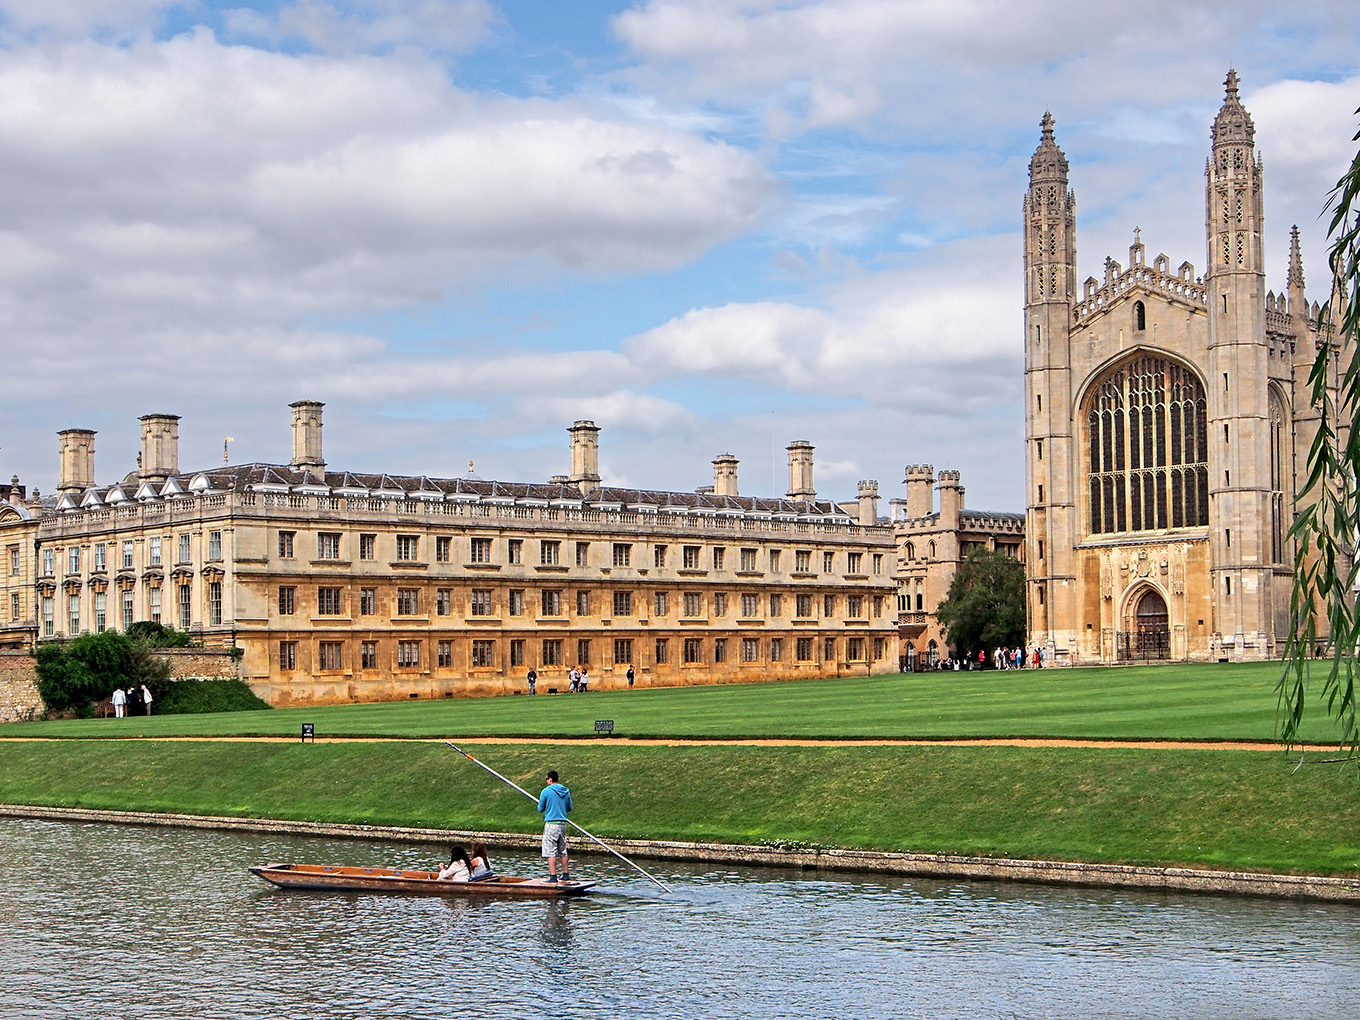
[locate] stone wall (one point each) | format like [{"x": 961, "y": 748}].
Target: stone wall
[
  {"x": 19, "y": 697},
  {"x": 201, "y": 664}
]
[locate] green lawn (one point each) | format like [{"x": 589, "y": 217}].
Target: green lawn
[
  {"x": 1243, "y": 810},
  {"x": 1175, "y": 702}
]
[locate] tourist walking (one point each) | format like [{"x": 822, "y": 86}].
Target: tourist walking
[
  {"x": 119, "y": 702},
  {"x": 553, "y": 804},
  {"x": 533, "y": 680}
]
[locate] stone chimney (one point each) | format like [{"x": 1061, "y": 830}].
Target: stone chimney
[
  {"x": 868, "y": 503},
  {"x": 160, "y": 447},
  {"x": 725, "y": 475},
  {"x": 951, "y": 499},
  {"x": 920, "y": 483},
  {"x": 77, "y": 460},
  {"x": 585, "y": 456},
  {"x": 800, "y": 470},
  {"x": 307, "y": 436}
]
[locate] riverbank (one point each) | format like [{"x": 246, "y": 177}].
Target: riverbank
[{"x": 1216, "y": 810}]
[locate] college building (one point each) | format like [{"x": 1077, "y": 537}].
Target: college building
[
  {"x": 341, "y": 586},
  {"x": 1168, "y": 424}
]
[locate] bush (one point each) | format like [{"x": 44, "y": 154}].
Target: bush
[
  {"x": 74, "y": 674},
  {"x": 182, "y": 697},
  {"x": 63, "y": 681},
  {"x": 157, "y": 636}
]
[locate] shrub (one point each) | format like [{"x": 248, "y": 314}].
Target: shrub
[
  {"x": 188, "y": 696},
  {"x": 158, "y": 636},
  {"x": 63, "y": 681}
]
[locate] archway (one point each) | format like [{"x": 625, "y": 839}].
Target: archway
[{"x": 1152, "y": 630}]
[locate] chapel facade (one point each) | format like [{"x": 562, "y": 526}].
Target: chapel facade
[{"x": 1168, "y": 424}]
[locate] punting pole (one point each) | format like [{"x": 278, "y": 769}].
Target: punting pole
[{"x": 578, "y": 828}]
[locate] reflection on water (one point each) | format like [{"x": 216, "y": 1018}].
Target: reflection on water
[{"x": 100, "y": 920}]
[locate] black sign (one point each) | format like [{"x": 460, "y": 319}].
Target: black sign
[
  {"x": 308, "y": 730},
  {"x": 604, "y": 726}
]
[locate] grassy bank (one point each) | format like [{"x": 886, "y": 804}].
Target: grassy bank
[
  {"x": 1239, "y": 810},
  {"x": 1175, "y": 702}
]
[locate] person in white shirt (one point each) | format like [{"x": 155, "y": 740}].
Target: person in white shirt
[{"x": 119, "y": 702}]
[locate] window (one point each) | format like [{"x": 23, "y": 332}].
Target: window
[
  {"x": 185, "y": 606},
  {"x": 829, "y": 650},
  {"x": 691, "y": 557},
  {"x": 802, "y": 561},
  {"x": 287, "y": 601},
  {"x": 127, "y": 555},
  {"x": 285, "y": 548},
  {"x": 443, "y": 602},
  {"x": 443, "y": 549},
  {"x": 552, "y": 653},
  {"x": 623, "y": 651},
  {"x": 720, "y": 649},
  {"x": 720, "y": 604},
  {"x": 368, "y": 548},
  {"x": 444, "y": 653},
  {"x": 750, "y": 606},
  {"x": 408, "y": 654},
  {"x": 328, "y": 602},
  {"x": 514, "y": 550},
  {"x": 853, "y": 562},
  {"x": 659, "y": 606},
  {"x": 854, "y": 607},
  {"x": 287, "y": 655},
  {"x": 483, "y": 654},
  {"x": 803, "y": 649},
  {"x": 481, "y": 602},
  {"x": 750, "y": 649},
  {"x": 154, "y": 605},
  {"x": 662, "y": 651},
  {"x": 776, "y": 606},
  {"x": 408, "y": 548},
  {"x": 99, "y": 563},
  {"x": 1147, "y": 451},
  {"x": 583, "y": 554},
  {"x": 583, "y": 603},
  {"x": 878, "y": 563},
  {"x": 48, "y": 568},
  {"x": 658, "y": 555},
  {"x": 515, "y": 602},
  {"x": 215, "y": 545},
  {"x": 623, "y": 554},
  {"x": 1139, "y": 316},
  {"x": 408, "y": 601},
  {"x": 48, "y": 615},
  {"x": 803, "y": 610},
  {"x": 517, "y": 652},
  {"x": 693, "y": 650},
  {"x": 100, "y": 612},
  {"x": 878, "y": 608},
  {"x": 14, "y": 558},
  {"x": 880, "y": 648},
  {"x": 829, "y": 606},
  {"x": 127, "y": 608},
  {"x": 549, "y": 553},
  {"x": 828, "y": 562},
  {"x": 623, "y": 603},
  {"x": 552, "y": 602},
  {"x": 368, "y": 654},
  {"x": 776, "y": 649},
  {"x": 215, "y": 603},
  {"x": 327, "y": 545},
  {"x": 329, "y": 654},
  {"x": 73, "y": 560},
  {"x": 583, "y": 652},
  {"x": 854, "y": 649},
  {"x": 719, "y": 554},
  {"x": 748, "y": 559},
  {"x": 185, "y": 555},
  {"x": 368, "y": 601}
]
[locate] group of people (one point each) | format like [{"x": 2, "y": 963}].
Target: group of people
[
  {"x": 1015, "y": 658},
  {"x": 462, "y": 868},
  {"x": 578, "y": 678},
  {"x": 133, "y": 701}
]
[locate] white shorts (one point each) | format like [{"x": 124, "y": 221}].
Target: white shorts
[{"x": 555, "y": 839}]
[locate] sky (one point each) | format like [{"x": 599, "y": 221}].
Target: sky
[{"x": 711, "y": 226}]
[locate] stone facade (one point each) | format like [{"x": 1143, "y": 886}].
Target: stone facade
[
  {"x": 1167, "y": 426},
  {"x": 931, "y": 544},
  {"x": 19, "y": 698},
  {"x": 340, "y": 586}
]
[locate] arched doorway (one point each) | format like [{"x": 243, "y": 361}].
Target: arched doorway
[{"x": 1152, "y": 631}]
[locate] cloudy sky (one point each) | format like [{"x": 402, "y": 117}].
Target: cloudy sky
[{"x": 710, "y": 225}]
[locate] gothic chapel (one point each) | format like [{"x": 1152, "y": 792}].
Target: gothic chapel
[{"x": 1167, "y": 427}]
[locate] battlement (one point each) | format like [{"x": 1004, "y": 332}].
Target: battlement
[
  {"x": 1182, "y": 288},
  {"x": 920, "y": 471},
  {"x": 948, "y": 477}
]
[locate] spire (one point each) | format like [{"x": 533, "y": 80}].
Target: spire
[
  {"x": 1295, "y": 261},
  {"x": 1233, "y": 123},
  {"x": 1049, "y": 163}
]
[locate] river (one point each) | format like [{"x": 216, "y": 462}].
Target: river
[{"x": 104, "y": 920}]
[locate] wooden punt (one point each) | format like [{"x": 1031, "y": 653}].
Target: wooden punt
[{"x": 339, "y": 878}]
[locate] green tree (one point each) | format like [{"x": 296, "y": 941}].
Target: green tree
[
  {"x": 985, "y": 607},
  {"x": 73, "y": 674},
  {"x": 1328, "y": 508}
]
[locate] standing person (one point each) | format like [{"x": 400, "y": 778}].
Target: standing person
[
  {"x": 585, "y": 680},
  {"x": 630, "y": 677},
  {"x": 146, "y": 699},
  {"x": 575, "y": 680},
  {"x": 533, "y": 680},
  {"x": 553, "y": 804},
  {"x": 119, "y": 701},
  {"x": 134, "y": 700}
]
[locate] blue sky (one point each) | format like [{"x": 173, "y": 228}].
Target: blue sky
[{"x": 712, "y": 225}]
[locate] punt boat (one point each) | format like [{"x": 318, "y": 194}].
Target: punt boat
[{"x": 339, "y": 878}]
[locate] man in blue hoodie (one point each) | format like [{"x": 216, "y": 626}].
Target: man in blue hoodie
[{"x": 554, "y": 803}]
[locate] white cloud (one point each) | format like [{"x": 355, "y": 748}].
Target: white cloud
[
  {"x": 72, "y": 18},
  {"x": 371, "y": 24}
]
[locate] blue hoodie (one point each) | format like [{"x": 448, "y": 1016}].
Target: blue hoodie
[{"x": 554, "y": 802}]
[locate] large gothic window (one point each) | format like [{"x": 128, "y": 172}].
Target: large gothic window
[
  {"x": 1281, "y": 470},
  {"x": 1147, "y": 436}
]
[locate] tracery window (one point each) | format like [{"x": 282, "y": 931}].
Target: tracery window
[
  {"x": 1146, "y": 432},
  {"x": 1280, "y": 468}
]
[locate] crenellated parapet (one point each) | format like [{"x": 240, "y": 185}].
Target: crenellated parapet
[{"x": 1181, "y": 288}]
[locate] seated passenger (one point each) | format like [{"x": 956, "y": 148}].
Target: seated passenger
[
  {"x": 458, "y": 869},
  {"x": 480, "y": 866}
]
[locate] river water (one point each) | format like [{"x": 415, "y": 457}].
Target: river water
[{"x": 124, "y": 921}]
